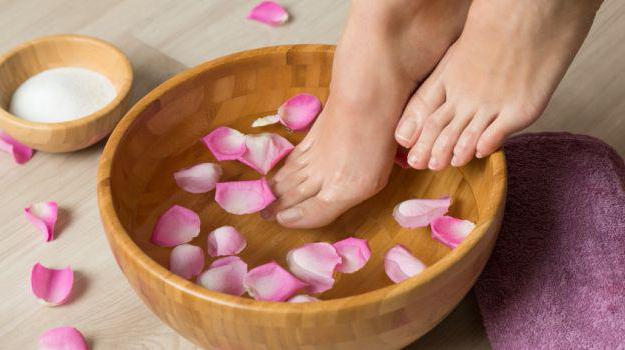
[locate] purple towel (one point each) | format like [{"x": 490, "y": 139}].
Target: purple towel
[{"x": 556, "y": 279}]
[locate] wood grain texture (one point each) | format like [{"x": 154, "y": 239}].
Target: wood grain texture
[
  {"x": 162, "y": 134},
  {"x": 49, "y": 52},
  {"x": 161, "y": 38}
]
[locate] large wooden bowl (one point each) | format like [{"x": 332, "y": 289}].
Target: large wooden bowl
[
  {"x": 161, "y": 134},
  {"x": 55, "y": 51}
]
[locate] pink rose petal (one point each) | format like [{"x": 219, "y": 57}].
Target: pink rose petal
[
  {"x": 354, "y": 253},
  {"x": 401, "y": 157},
  {"x": 186, "y": 261},
  {"x": 244, "y": 197},
  {"x": 451, "y": 231},
  {"x": 52, "y": 287},
  {"x": 264, "y": 121},
  {"x": 420, "y": 212},
  {"x": 314, "y": 263},
  {"x": 264, "y": 151},
  {"x": 400, "y": 265},
  {"x": 303, "y": 298},
  {"x": 225, "y": 143},
  {"x": 298, "y": 112},
  {"x": 21, "y": 153},
  {"x": 176, "y": 226},
  {"x": 225, "y": 275},
  {"x": 269, "y": 12},
  {"x": 271, "y": 282},
  {"x": 199, "y": 178},
  {"x": 225, "y": 240},
  {"x": 43, "y": 215},
  {"x": 62, "y": 338}
]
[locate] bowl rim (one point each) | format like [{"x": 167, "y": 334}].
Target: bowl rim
[
  {"x": 122, "y": 92},
  {"x": 116, "y": 232}
]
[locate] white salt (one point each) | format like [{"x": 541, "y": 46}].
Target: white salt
[{"x": 61, "y": 94}]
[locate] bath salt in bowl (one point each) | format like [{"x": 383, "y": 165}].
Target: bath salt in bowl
[
  {"x": 362, "y": 310},
  {"x": 63, "y": 93}
]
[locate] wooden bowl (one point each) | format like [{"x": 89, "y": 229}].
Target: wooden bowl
[
  {"x": 161, "y": 134},
  {"x": 56, "y": 51}
]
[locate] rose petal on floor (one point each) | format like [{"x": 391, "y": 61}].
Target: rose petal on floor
[
  {"x": 298, "y": 112},
  {"x": 43, "y": 215},
  {"x": 51, "y": 286},
  {"x": 225, "y": 275},
  {"x": 176, "y": 226},
  {"x": 420, "y": 212},
  {"x": 264, "y": 151},
  {"x": 303, "y": 298},
  {"x": 400, "y": 264},
  {"x": 271, "y": 282},
  {"x": 225, "y": 240},
  {"x": 244, "y": 197},
  {"x": 199, "y": 178},
  {"x": 315, "y": 264},
  {"x": 269, "y": 12},
  {"x": 264, "y": 121},
  {"x": 401, "y": 157},
  {"x": 451, "y": 231},
  {"x": 186, "y": 261},
  {"x": 62, "y": 338},
  {"x": 354, "y": 253},
  {"x": 225, "y": 143},
  {"x": 20, "y": 152}
]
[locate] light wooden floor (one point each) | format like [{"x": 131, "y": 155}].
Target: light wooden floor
[{"x": 162, "y": 38}]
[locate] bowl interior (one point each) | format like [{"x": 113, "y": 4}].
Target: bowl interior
[
  {"x": 61, "y": 51},
  {"x": 165, "y": 137}
]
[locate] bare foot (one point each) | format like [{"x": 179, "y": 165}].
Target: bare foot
[
  {"x": 386, "y": 49},
  {"x": 495, "y": 80}
]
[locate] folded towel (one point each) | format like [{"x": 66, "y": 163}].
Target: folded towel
[{"x": 556, "y": 279}]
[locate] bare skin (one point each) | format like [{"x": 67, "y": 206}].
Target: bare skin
[
  {"x": 495, "y": 80},
  {"x": 387, "y": 48}
]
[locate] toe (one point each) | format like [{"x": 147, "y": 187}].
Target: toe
[
  {"x": 444, "y": 144},
  {"x": 496, "y": 133},
  {"x": 422, "y": 104},
  {"x": 419, "y": 155},
  {"x": 465, "y": 147},
  {"x": 292, "y": 197},
  {"x": 294, "y": 163},
  {"x": 311, "y": 213},
  {"x": 280, "y": 188}
]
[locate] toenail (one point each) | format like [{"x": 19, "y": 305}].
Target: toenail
[
  {"x": 290, "y": 215},
  {"x": 406, "y": 130},
  {"x": 412, "y": 160},
  {"x": 479, "y": 155},
  {"x": 455, "y": 161},
  {"x": 433, "y": 164}
]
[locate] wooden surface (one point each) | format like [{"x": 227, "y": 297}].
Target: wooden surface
[
  {"x": 164, "y": 37},
  {"x": 365, "y": 310},
  {"x": 36, "y": 56}
]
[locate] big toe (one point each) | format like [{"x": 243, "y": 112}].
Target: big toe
[{"x": 313, "y": 212}]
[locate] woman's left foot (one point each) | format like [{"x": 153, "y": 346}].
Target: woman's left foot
[{"x": 495, "y": 80}]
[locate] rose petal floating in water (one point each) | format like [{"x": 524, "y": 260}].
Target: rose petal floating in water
[
  {"x": 354, "y": 253},
  {"x": 271, "y": 282},
  {"x": 244, "y": 197},
  {"x": 225, "y": 275},
  {"x": 451, "y": 231},
  {"x": 225, "y": 143},
  {"x": 269, "y": 12},
  {"x": 176, "y": 226},
  {"x": 225, "y": 240},
  {"x": 51, "y": 286},
  {"x": 264, "y": 121},
  {"x": 298, "y": 112},
  {"x": 21, "y": 153},
  {"x": 43, "y": 215},
  {"x": 199, "y": 178},
  {"x": 264, "y": 151},
  {"x": 314, "y": 263},
  {"x": 62, "y": 338},
  {"x": 400, "y": 265},
  {"x": 420, "y": 212},
  {"x": 303, "y": 298},
  {"x": 186, "y": 261}
]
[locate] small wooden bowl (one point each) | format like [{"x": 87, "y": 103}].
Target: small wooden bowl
[
  {"x": 161, "y": 134},
  {"x": 56, "y": 51}
]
